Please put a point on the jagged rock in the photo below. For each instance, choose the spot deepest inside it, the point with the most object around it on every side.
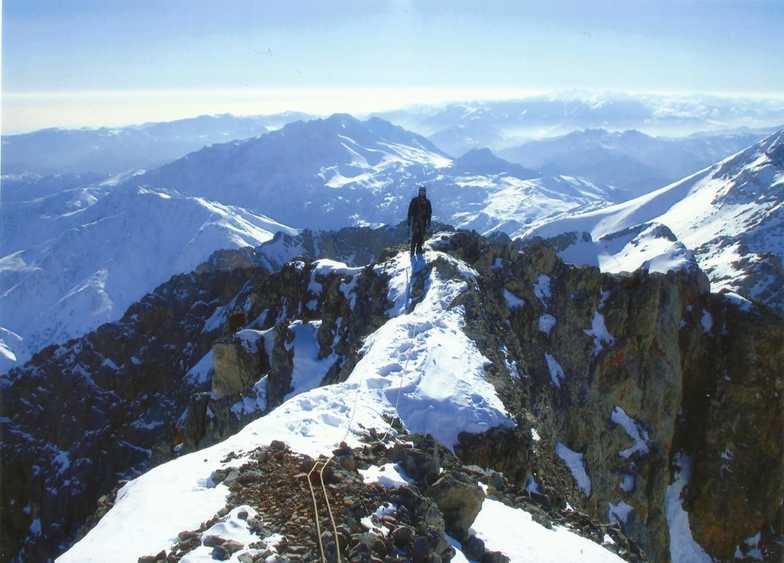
(187, 535)
(402, 536)
(231, 546)
(356, 246)
(227, 260)
(421, 549)
(459, 499)
(474, 548)
(236, 368)
(211, 541)
(735, 426)
(494, 557)
(344, 456)
(219, 475)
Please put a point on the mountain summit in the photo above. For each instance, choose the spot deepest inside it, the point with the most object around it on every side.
(310, 174)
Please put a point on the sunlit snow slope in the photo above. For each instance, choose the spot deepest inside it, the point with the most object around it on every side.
(731, 215)
(78, 258)
(341, 171)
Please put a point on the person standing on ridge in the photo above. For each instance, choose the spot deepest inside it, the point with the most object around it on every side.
(419, 214)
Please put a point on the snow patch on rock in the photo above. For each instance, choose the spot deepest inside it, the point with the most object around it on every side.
(683, 547)
(531, 541)
(575, 461)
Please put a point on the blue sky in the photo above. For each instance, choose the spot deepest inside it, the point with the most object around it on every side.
(92, 58)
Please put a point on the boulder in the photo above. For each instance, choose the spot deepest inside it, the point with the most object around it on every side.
(160, 558)
(460, 500)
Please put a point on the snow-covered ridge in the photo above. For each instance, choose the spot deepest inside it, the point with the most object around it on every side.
(419, 366)
(730, 216)
(651, 247)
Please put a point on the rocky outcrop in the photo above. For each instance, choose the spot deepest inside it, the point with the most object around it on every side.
(459, 498)
(616, 377)
(355, 246)
(169, 378)
(227, 260)
(733, 424)
(235, 368)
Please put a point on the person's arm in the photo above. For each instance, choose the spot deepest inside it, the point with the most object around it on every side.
(429, 213)
(410, 212)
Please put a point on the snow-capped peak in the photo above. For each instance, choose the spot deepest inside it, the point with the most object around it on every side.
(730, 215)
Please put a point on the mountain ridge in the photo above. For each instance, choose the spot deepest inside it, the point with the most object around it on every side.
(571, 353)
(366, 171)
(112, 150)
(629, 159)
(729, 214)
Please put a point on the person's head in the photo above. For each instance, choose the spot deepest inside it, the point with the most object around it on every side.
(422, 191)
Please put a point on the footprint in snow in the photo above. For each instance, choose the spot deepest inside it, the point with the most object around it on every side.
(331, 419)
(391, 368)
(375, 382)
(306, 405)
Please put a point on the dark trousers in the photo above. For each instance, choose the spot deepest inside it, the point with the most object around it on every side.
(417, 238)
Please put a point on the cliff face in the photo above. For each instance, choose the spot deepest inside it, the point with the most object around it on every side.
(643, 400)
(650, 379)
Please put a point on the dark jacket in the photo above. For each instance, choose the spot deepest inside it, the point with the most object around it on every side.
(419, 212)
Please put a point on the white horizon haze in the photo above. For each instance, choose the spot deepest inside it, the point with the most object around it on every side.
(24, 112)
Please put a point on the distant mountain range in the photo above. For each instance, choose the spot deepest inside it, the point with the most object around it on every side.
(629, 160)
(459, 127)
(340, 171)
(78, 248)
(114, 150)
